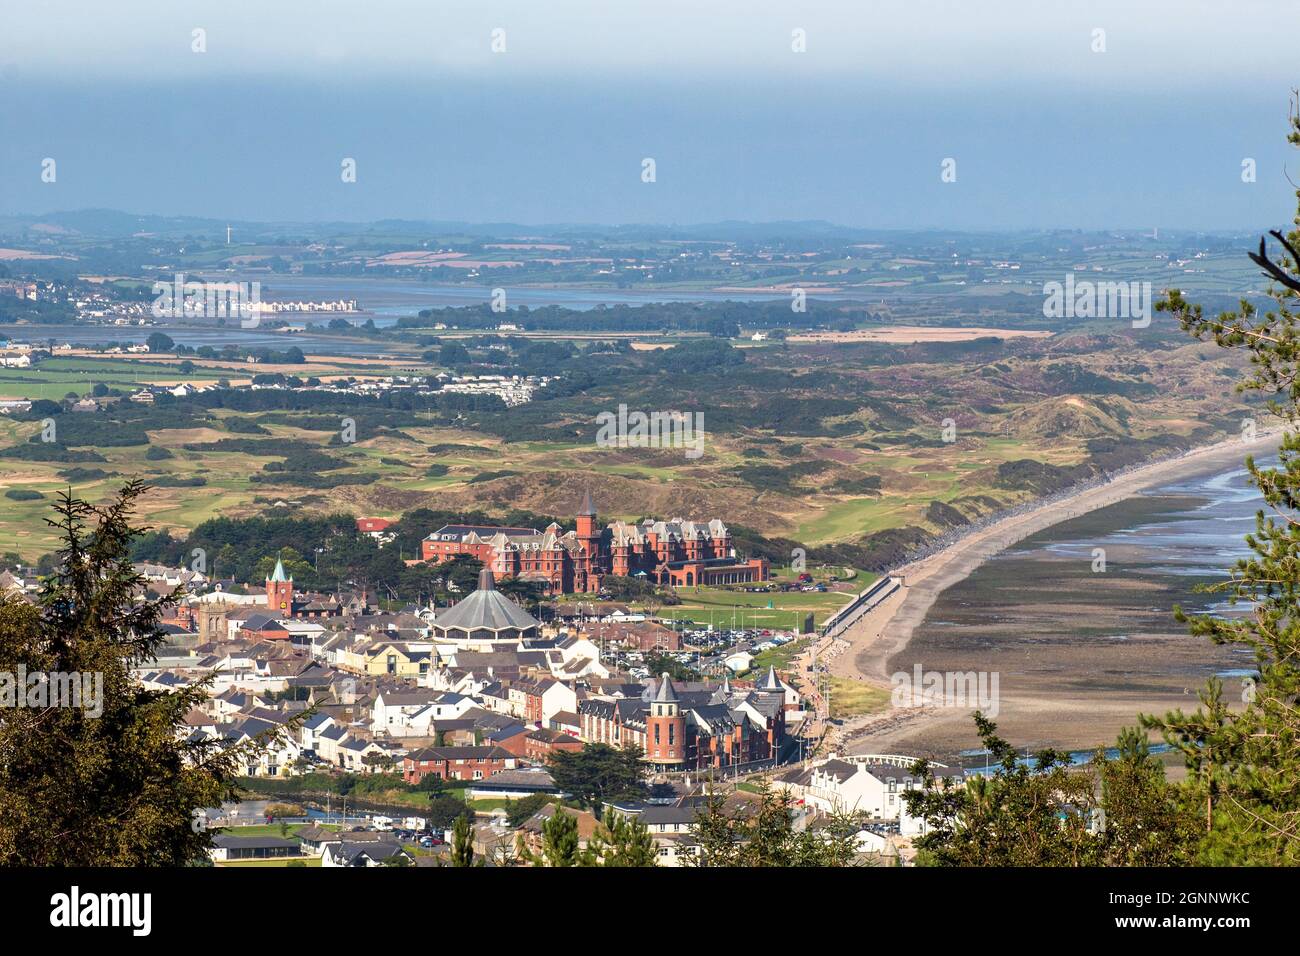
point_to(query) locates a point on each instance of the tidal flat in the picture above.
(1078, 621)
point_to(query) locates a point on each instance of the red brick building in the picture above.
(456, 763)
(634, 635)
(281, 601)
(279, 591)
(690, 729)
(540, 744)
(679, 553)
(665, 729)
(512, 739)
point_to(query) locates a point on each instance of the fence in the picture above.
(860, 605)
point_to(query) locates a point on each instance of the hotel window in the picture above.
(656, 735)
(672, 734)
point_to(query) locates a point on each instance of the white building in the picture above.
(869, 784)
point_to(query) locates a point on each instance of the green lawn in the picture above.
(488, 804)
(273, 829)
(721, 607)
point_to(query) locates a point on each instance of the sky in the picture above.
(1056, 115)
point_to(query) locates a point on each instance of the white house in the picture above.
(370, 853)
(408, 713)
(309, 731)
(869, 784)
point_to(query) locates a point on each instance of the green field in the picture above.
(488, 804)
(722, 607)
(273, 829)
(55, 377)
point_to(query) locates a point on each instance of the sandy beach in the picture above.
(888, 628)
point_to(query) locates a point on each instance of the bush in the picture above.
(77, 475)
(23, 494)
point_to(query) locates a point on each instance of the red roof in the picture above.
(372, 524)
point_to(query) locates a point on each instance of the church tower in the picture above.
(279, 591)
(665, 728)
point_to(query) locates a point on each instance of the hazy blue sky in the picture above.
(1045, 132)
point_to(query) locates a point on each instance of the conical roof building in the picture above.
(666, 693)
(485, 615)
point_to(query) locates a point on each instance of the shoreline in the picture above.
(868, 645)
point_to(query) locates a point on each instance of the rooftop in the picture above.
(485, 609)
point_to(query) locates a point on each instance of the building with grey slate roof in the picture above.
(723, 727)
(484, 618)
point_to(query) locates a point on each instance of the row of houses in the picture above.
(388, 693)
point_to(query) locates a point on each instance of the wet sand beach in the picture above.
(1078, 652)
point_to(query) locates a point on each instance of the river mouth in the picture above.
(1071, 633)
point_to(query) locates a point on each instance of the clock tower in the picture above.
(279, 592)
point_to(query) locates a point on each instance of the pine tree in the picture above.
(1142, 821)
(462, 843)
(598, 773)
(560, 839)
(764, 835)
(1019, 815)
(115, 781)
(1112, 811)
(1244, 765)
(559, 842)
(620, 841)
